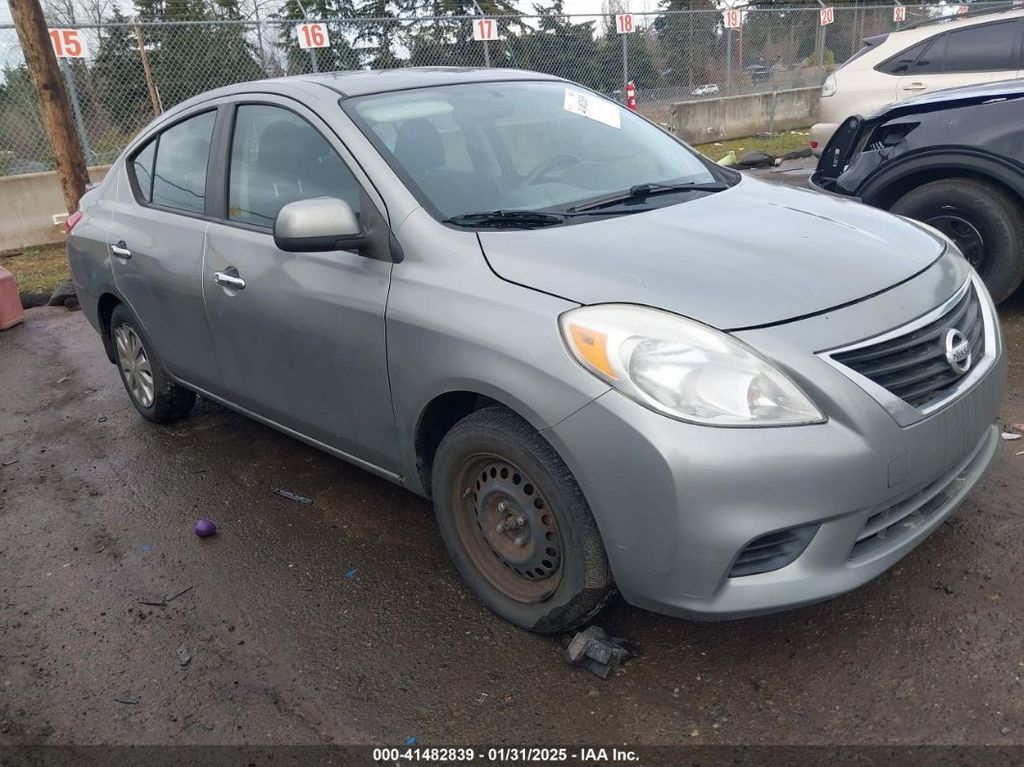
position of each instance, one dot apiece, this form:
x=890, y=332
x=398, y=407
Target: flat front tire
x=152, y=392
x=983, y=220
x=516, y=524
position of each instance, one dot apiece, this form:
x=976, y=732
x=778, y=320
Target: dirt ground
x=342, y=621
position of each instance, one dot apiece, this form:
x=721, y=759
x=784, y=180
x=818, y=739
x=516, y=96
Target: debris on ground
x=1008, y=435
x=180, y=593
x=184, y=656
x=205, y=528
x=293, y=496
x=351, y=574
x=9, y=462
x=597, y=652
x=1017, y=427
x=127, y=700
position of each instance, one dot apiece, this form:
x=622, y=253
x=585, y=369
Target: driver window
x=278, y=158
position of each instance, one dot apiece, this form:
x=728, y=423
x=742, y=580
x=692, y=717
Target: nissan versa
x=609, y=362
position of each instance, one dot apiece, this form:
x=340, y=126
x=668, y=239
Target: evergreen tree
x=340, y=54
x=118, y=79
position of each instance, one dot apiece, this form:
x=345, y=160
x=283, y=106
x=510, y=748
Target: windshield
x=520, y=146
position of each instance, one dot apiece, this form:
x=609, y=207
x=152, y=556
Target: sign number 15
x=67, y=44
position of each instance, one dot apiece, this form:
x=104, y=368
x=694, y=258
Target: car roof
x=902, y=39
x=361, y=82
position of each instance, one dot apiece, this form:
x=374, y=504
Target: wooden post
x=154, y=97
x=53, y=99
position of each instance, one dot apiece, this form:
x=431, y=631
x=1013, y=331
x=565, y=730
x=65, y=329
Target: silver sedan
x=612, y=364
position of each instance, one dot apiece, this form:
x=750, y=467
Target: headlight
x=682, y=368
x=829, y=87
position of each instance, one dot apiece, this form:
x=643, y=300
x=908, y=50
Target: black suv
x=953, y=159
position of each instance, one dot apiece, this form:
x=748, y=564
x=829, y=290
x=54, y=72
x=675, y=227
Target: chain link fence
x=132, y=71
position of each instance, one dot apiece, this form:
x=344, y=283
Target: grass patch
x=777, y=145
x=38, y=269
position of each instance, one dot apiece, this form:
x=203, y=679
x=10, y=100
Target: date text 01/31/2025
x=502, y=754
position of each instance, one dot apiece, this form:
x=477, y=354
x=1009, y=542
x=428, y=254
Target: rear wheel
x=516, y=524
x=151, y=390
x=982, y=219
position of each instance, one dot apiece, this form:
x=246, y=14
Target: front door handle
x=915, y=87
x=121, y=250
x=229, y=281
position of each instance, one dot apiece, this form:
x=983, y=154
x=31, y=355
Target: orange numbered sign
x=313, y=36
x=67, y=43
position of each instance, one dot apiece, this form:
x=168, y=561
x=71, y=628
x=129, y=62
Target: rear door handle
x=915, y=87
x=229, y=281
x=121, y=250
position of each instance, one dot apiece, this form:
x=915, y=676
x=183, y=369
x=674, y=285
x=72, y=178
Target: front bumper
x=676, y=503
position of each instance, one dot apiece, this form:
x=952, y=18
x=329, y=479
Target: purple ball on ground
x=205, y=528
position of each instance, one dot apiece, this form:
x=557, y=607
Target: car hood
x=756, y=254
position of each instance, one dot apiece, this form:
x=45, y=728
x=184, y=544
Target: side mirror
x=317, y=224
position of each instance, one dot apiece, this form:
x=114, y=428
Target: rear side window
x=182, y=154
x=278, y=158
x=142, y=166
x=904, y=61
x=984, y=48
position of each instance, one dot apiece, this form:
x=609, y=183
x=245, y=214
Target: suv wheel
x=152, y=392
x=983, y=220
x=516, y=524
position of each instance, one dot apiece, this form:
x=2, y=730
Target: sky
x=587, y=7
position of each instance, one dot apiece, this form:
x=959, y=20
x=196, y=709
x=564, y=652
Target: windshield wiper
x=506, y=219
x=641, y=192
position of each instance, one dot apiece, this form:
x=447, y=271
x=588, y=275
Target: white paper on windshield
x=592, y=107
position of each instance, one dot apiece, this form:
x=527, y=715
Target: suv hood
x=755, y=254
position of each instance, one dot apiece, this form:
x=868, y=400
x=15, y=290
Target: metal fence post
x=728, y=62
x=625, y=60
x=83, y=136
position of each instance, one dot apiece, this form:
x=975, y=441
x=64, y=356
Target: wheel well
x=887, y=196
x=106, y=308
x=439, y=416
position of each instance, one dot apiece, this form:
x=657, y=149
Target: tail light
x=73, y=219
x=814, y=145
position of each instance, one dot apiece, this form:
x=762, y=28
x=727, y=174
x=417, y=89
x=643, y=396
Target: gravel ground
x=342, y=622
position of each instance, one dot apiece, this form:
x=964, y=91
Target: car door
x=156, y=241
x=300, y=336
x=972, y=55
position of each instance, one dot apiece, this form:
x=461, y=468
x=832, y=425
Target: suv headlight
x=682, y=368
x=830, y=86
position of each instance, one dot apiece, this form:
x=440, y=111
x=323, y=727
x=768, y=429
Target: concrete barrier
x=703, y=120
x=27, y=206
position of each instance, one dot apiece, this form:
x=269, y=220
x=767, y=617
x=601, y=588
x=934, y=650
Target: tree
x=189, y=59
x=689, y=41
x=560, y=47
x=118, y=78
x=340, y=55
x=379, y=34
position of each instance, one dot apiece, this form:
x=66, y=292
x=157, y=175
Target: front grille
x=891, y=525
x=772, y=551
x=913, y=366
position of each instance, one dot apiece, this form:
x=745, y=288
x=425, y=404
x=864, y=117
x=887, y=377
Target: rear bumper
x=820, y=134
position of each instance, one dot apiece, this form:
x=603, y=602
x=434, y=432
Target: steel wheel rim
x=507, y=528
x=135, y=366
x=966, y=236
